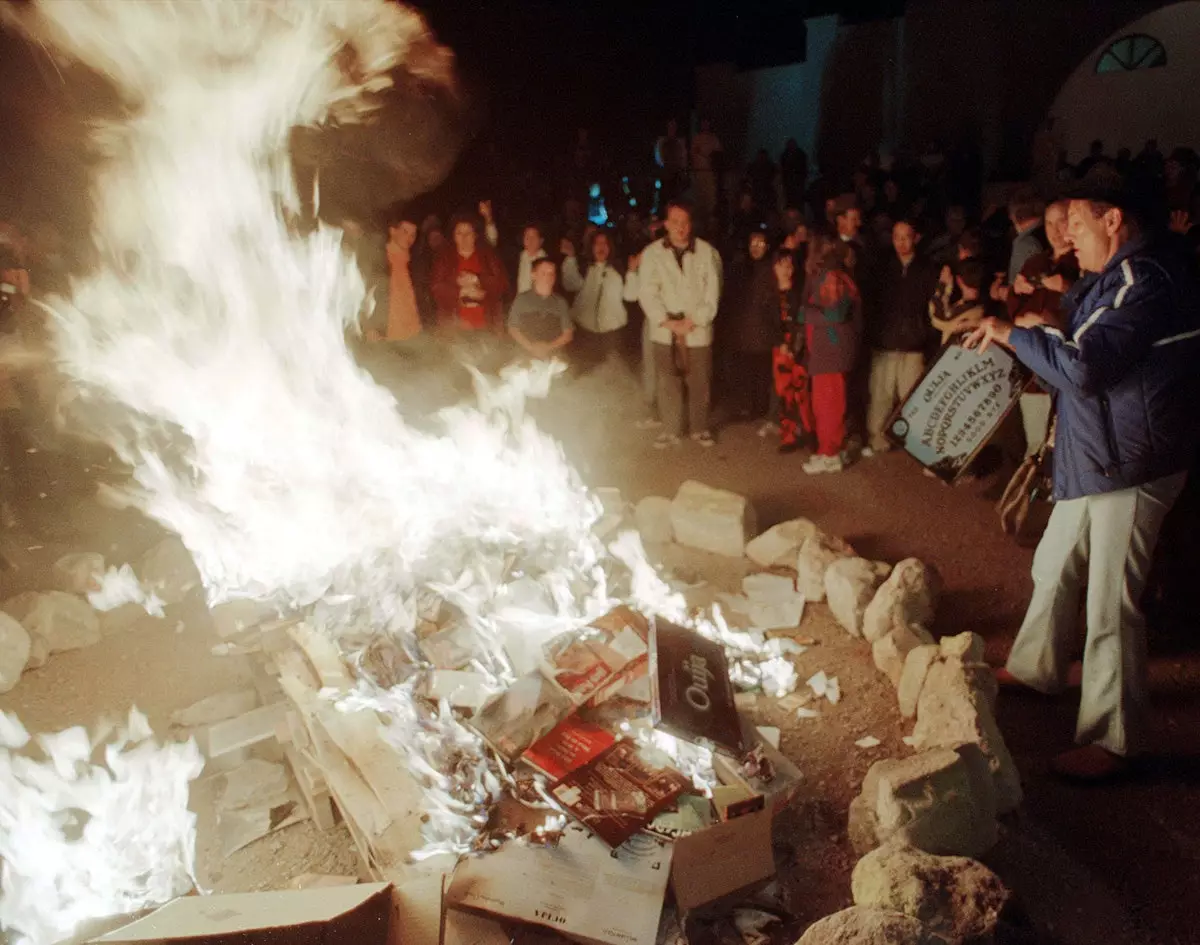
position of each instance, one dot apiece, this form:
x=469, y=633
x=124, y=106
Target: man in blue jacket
x=1124, y=378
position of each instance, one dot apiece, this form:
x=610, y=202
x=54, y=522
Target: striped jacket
x=1125, y=375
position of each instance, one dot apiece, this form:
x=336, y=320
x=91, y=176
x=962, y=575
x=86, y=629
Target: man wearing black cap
x=1123, y=375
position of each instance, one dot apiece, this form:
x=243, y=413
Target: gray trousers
x=696, y=385
x=1035, y=418
x=1106, y=542
x=649, y=370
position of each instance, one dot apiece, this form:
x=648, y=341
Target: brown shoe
x=1089, y=764
x=1007, y=679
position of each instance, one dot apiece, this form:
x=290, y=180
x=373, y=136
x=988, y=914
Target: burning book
x=691, y=692
x=610, y=650
x=621, y=791
x=569, y=746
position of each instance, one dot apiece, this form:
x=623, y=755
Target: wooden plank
x=245, y=730
x=323, y=655
x=320, y=802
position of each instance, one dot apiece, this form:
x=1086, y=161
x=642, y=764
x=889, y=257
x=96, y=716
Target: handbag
x=1025, y=506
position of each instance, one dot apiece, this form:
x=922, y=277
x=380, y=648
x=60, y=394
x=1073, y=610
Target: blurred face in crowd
x=956, y=221
x=1095, y=237
x=1056, y=228
x=544, y=274
x=849, y=223
x=904, y=240
x=464, y=239
x=679, y=226
x=532, y=240
x=601, y=248
x=435, y=239
x=785, y=271
x=404, y=234
x=758, y=246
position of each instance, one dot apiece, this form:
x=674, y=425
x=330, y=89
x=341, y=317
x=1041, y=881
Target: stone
x=956, y=706
x=15, y=645
x=850, y=584
x=862, y=925
x=652, y=516
x=908, y=596
x=252, y=784
x=611, y=500
x=955, y=897
x=234, y=616
x=912, y=677
x=123, y=618
x=816, y=556
x=891, y=651
x=777, y=546
x=966, y=646
x=168, y=571
x=39, y=653
x=712, y=519
x=227, y=704
x=862, y=829
x=64, y=621
x=77, y=573
x=941, y=801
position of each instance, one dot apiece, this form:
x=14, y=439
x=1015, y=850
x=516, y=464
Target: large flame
x=250, y=429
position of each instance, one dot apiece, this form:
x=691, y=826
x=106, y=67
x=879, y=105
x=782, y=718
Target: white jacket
x=693, y=290
x=599, y=305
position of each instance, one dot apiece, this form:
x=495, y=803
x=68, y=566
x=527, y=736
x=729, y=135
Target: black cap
x=1104, y=184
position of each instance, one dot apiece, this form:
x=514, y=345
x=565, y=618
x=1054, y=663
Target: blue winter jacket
x=1125, y=374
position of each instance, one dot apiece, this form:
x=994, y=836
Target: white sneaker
x=649, y=423
x=867, y=452
x=817, y=464
x=705, y=439
x=665, y=441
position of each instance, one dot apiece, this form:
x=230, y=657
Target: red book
x=570, y=745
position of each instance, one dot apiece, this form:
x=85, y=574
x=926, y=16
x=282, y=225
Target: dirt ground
x=1115, y=864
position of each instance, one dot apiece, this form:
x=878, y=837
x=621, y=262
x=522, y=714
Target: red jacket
x=444, y=284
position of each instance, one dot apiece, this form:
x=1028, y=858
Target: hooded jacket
x=1125, y=373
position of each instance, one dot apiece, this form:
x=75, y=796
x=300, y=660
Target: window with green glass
x=1128, y=53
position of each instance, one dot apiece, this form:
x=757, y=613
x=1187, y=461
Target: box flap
x=292, y=915
x=723, y=859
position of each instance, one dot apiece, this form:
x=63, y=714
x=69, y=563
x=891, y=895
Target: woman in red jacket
x=468, y=282
x=833, y=327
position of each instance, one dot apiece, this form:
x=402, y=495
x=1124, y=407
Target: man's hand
x=681, y=326
x=1023, y=286
x=991, y=330
x=1180, y=222
x=485, y=210
x=566, y=248
x=946, y=276
x=1055, y=283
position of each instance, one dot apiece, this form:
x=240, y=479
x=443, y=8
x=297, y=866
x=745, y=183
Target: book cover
x=691, y=692
x=570, y=745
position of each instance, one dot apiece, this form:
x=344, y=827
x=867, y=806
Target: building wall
x=1123, y=109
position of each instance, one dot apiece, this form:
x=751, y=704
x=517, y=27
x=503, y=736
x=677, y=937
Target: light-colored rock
x=168, y=571
x=778, y=545
x=712, y=519
x=234, y=616
x=891, y=651
x=39, y=653
x=912, y=677
x=253, y=784
x=941, y=801
x=63, y=621
x=652, y=516
x=768, y=588
x=123, y=618
x=14, y=652
x=908, y=596
x=610, y=499
x=227, y=704
x=862, y=829
x=850, y=584
x=77, y=573
x=966, y=646
x=953, y=896
x=862, y=925
x=956, y=706
x=816, y=556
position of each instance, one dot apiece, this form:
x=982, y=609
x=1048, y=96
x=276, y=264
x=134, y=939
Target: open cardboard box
x=366, y=914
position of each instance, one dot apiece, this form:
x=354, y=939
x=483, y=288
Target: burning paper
x=827, y=686
x=81, y=839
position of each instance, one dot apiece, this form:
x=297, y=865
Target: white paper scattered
x=826, y=686
x=783, y=646
x=770, y=735
x=120, y=586
x=768, y=588
x=870, y=741
x=804, y=712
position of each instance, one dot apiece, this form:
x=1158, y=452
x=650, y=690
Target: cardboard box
x=365, y=914
x=722, y=862
x=580, y=888
x=762, y=769
x=691, y=693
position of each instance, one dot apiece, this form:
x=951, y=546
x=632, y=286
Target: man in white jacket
x=680, y=289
